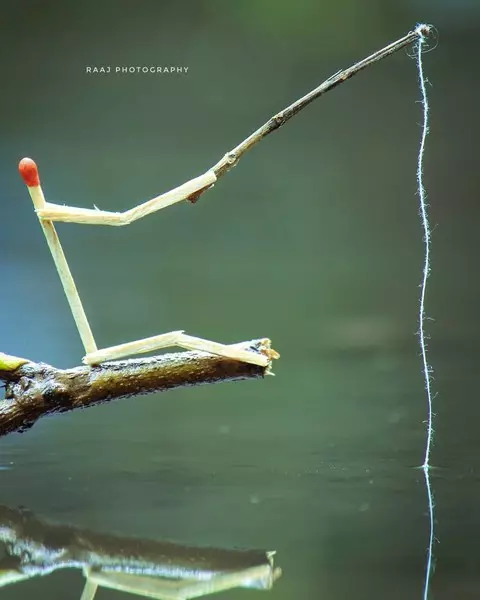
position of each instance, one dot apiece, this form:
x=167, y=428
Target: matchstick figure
x=47, y=213
x=191, y=190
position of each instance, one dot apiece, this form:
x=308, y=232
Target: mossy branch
x=34, y=390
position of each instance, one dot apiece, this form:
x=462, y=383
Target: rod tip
x=29, y=172
x=423, y=29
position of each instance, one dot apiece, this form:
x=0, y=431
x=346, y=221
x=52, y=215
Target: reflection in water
x=162, y=570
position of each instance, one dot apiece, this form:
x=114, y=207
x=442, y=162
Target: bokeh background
x=314, y=240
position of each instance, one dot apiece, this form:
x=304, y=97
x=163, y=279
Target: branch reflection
x=153, y=569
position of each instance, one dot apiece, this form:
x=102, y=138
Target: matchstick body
x=29, y=172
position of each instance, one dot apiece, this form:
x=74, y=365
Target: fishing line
x=422, y=195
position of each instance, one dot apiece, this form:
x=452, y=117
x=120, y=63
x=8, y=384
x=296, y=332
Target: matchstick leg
x=90, y=588
x=160, y=588
x=181, y=340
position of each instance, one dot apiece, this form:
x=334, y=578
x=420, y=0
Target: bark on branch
x=33, y=390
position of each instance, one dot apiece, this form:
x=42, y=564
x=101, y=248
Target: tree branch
x=34, y=390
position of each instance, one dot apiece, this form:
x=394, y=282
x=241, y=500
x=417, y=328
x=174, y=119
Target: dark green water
x=313, y=240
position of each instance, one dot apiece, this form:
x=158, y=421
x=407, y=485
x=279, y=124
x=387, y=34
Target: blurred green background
x=314, y=240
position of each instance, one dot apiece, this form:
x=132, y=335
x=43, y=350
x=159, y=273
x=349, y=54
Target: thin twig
x=34, y=390
x=231, y=158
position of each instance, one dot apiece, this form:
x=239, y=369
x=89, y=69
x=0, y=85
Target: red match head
x=29, y=172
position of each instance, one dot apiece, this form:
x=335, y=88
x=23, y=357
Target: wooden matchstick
x=29, y=172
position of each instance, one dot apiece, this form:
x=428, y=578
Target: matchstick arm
x=190, y=190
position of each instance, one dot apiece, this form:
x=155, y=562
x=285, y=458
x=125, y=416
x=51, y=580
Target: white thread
x=421, y=333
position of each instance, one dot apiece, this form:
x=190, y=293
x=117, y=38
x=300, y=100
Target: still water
x=328, y=481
